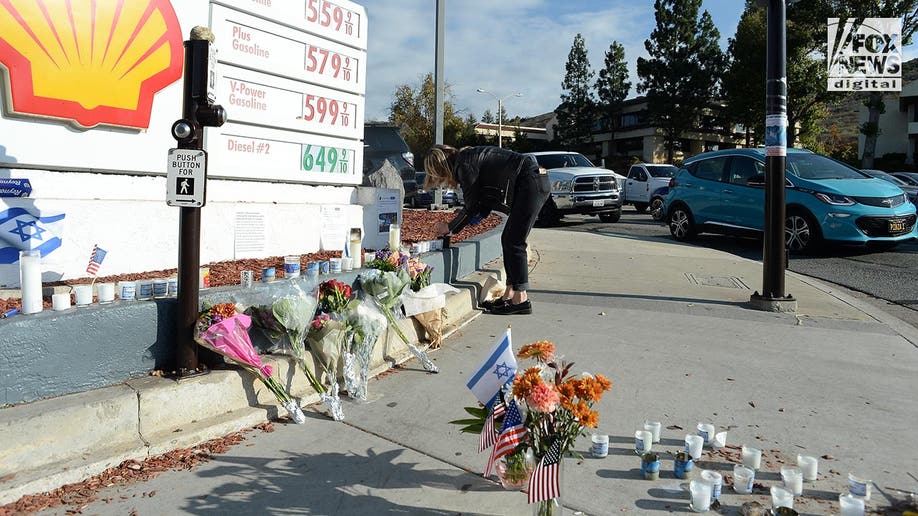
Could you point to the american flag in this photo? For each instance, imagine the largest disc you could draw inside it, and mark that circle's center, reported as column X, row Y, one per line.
column 95, row 260
column 488, row 435
column 511, row 433
column 544, row 484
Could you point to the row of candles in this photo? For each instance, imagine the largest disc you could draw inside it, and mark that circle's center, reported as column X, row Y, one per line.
column 707, row 488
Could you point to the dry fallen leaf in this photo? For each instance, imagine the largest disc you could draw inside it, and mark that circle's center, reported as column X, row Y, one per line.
column 752, row 404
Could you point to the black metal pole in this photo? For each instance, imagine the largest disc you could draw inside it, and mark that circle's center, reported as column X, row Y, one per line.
column 775, row 152
column 189, row 251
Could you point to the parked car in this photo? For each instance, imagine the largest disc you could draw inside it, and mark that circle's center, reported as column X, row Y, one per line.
column 724, row 192
column 909, row 177
column 643, row 180
column 381, row 142
column 424, row 198
column 911, row 190
column 578, row 186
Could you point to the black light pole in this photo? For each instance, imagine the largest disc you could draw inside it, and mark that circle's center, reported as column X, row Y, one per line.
column 774, row 254
column 198, row 111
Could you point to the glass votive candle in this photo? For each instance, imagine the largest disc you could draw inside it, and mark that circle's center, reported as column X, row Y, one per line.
column 743, row 479
column 752, row 457
column 643, row 441
column 144, row 289
column 160, row 288
column 781, row 497
column 716, row 480
column 850, row 505
column 106, row 292
column 324, row 267
column 368, row 257
column 334, row 265
column 693, row 445
column 793, row 480
column 60, row 301
column 173, row 287
column 82, row 294
column 291, row 267
column 859, row 486
column 600, row 445
column 312, row 269
column 654, row 428
column 127, row 290
column 204, row 278
column 719, row 441
column 706, row 431
column 809, row 466
column 347, row 264
column 701, row 495
column 268, row 274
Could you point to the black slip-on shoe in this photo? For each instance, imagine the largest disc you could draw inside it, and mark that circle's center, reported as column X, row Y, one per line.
column 492, row 303
column 523, row 308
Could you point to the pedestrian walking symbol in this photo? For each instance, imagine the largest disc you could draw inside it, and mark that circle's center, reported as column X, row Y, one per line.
column 184, row 186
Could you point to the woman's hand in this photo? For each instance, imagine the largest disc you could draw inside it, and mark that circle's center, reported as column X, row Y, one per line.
column 441, row 229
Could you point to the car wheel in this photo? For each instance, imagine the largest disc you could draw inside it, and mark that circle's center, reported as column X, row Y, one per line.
column 640, row 207
column 681, row 223
column 656, row 208
column 549, row 215
column 801, row 233
column 610, row 216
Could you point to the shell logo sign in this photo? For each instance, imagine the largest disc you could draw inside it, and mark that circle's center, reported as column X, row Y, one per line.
column 90, row 62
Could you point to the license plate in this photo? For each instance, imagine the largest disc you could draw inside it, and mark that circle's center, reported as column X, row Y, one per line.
column 600, row 202
column 896, row 226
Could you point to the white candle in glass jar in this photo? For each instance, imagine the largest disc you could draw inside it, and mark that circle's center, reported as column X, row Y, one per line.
column 60, row 301
column 395, row 237
column 30, row 281
column 752, row 457
column 82, row 294
column 809, row 466
column 106, row 292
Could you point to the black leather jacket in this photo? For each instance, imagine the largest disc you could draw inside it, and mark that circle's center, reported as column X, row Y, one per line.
column 487, row 176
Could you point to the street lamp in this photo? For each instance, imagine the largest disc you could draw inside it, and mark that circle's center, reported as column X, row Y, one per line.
column 500, row 110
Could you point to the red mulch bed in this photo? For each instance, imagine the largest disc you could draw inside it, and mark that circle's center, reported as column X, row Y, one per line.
column 417, row 226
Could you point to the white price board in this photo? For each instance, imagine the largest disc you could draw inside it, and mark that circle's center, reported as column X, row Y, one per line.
column 261, row 153
column 251, row 42
column 338, row 20
column 186, row 177
column 255, row 98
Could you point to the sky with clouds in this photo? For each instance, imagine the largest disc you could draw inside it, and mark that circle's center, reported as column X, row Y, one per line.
column 506, row 46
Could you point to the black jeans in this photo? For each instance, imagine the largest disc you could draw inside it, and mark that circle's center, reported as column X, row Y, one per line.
column 531, row 191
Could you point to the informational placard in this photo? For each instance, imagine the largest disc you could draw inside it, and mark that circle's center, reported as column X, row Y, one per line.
column 186, row 177
column 254, row 43
column 249, row 234
column 339, row 20
column 277, row 155
column 334, row 227
column 387, row 209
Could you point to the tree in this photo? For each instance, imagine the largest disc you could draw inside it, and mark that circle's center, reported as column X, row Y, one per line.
column 575, row 114
column 413, row 111
column 908, row 11
column 685, row 63
column 744, row 80
column 612, row 86
column 487, row 117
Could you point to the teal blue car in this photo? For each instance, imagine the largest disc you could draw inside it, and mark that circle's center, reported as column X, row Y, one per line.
column 827, row 201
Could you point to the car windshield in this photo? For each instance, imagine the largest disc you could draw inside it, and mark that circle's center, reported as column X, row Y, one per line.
column 662, row 170
column 562, row 160
column 879, row 174
column 814, row 166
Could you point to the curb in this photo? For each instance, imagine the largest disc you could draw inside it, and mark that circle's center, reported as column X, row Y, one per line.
column 53, row 442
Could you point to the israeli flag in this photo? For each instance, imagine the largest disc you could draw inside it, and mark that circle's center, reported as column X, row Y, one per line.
column 22, row 229
column 498, row 369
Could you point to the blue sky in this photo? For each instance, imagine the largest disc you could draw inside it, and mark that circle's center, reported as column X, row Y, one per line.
column 506, row 46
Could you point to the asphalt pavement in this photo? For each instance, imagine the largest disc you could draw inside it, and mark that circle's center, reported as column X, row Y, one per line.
column 671, row 326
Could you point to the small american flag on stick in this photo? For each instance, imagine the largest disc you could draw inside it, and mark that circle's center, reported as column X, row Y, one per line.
column 512, row 432
column 545, row 484
column 95, row 260
column 488, row 434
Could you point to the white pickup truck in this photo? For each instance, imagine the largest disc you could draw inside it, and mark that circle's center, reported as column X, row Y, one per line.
column 643, row 180
column 577, row 186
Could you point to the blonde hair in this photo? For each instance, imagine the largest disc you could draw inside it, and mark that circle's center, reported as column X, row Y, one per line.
column 438, row 166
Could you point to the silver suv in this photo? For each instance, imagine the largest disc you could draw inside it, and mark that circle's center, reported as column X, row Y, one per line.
column 577, row 186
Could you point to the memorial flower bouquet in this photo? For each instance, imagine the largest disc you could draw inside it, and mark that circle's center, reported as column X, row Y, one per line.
column 331, row 330
column 426, row 302
column 389, row 260
column 223, row 330
column 385, row 287
column 368, row 323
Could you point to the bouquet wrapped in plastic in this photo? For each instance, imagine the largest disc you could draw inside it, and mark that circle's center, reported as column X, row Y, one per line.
column 368, row 323
column 426, row 302
column 221, row 329
column 385, row 288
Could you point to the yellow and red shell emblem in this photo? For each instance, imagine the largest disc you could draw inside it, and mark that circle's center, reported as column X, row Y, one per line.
column 89, row 61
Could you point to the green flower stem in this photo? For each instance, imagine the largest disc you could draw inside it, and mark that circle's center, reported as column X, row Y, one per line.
column 299, row 353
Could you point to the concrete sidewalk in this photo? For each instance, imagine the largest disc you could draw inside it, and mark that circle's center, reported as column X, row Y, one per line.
column 670, row 326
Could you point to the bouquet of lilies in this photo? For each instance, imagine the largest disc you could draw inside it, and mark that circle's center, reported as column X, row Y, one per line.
column 385, row 287
column 223, row 330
